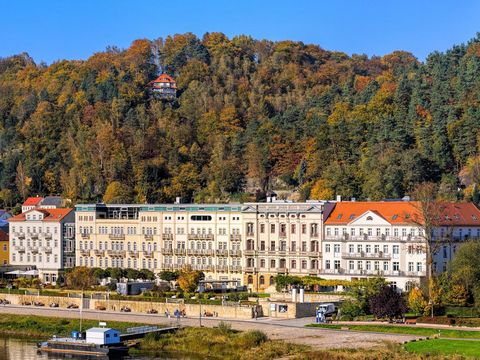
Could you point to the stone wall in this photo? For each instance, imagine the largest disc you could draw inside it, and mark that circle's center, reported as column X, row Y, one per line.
column 191, row 310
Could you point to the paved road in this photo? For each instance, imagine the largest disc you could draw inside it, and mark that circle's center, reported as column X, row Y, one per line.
column 292, row 330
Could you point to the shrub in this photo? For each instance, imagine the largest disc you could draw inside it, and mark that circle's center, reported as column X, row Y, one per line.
column 438, row 320
column 351, row 309
column 224, row 327
column 253, row 338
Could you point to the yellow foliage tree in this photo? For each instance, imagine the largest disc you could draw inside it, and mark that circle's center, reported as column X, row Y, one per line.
column 416, row 301
column 188, row 279
column 320, row 190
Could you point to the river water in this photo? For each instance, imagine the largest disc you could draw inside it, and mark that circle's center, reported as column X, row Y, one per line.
column 26, row 349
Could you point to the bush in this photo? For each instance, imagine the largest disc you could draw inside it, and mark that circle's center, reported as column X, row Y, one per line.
column 437, row 320
column 253, row 338
column 224, row 327
column 351, row 309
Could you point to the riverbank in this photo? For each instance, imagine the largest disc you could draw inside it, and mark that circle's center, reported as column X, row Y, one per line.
column 41, row 326
column 220, row 342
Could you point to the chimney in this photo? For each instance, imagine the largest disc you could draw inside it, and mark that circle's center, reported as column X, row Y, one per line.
column 269, row 199
column 339, row 198
column 178, row 200
column 274, row 198
column 353, row 199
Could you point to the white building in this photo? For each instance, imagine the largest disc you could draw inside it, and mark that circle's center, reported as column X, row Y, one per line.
column 44, row 239
column 364, row 239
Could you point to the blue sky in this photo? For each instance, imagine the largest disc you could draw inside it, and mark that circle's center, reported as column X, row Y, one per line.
column 65, row 29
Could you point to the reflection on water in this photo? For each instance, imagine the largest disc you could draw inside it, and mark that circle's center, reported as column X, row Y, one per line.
column 25, row 349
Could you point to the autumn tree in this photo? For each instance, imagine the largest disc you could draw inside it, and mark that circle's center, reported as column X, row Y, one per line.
column 188, row 279
column 80, row 277
column 387, row 303
column 416, row 301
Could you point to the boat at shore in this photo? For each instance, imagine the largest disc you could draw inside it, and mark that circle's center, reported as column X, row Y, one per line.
column 98, row 342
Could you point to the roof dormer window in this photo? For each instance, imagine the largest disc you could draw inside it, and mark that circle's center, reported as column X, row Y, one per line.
column 369, row 218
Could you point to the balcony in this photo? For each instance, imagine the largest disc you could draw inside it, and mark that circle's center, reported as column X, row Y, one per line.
column 249, row 268
column 47, row 235
column 33, row 235
column 148, row 254
column 116, row 252
column 19, row 235
column 133, row 253
column 222, row 268
column 203, row 267
column 235, row 237
column 249, row 252
column 281, row 270
column 84, row 252
column 20, row 249
column 282, row 235
column 148, row 237
column 314, row 235
column 99, row 252
column 167, row 251
column 314, row 254
column 235, row 268
column 235, row 253
column 179, row 251
column 250, row 233
column 333, row 271
column 313, row 271
column 167, row 236
column 415, row 273
column 33, row 249
column 222, row 252
column 363, row 255
column 168, row 266
column 201, row 236
column 85, row 236
column 116, row 236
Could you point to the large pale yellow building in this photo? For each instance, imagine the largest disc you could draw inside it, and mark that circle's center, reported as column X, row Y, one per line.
column 162, row 237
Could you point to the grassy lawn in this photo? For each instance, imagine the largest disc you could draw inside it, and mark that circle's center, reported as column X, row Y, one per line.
column 218, row 343
column 420, row 331
column 445, row 347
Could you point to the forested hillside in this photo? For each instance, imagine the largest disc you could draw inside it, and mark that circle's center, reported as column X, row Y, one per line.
column 248, row 112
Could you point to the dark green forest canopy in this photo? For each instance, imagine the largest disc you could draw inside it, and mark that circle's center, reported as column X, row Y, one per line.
column 249, row 114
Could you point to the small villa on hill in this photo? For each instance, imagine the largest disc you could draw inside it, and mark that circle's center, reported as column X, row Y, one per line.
column 164, row 87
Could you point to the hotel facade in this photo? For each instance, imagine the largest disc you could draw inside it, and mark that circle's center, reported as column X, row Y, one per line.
column 251, row 243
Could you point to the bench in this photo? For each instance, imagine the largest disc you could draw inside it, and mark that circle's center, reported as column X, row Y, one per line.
column 411, row 321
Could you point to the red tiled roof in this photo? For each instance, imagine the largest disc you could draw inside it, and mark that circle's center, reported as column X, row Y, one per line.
column 405, row 212
column 49, row 214
column 33, row 201
column 164, row 78
column 395, row 212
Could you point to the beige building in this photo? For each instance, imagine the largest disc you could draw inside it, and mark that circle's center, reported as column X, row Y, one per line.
column 162, row 237
column 44, row 239
column 282, row 238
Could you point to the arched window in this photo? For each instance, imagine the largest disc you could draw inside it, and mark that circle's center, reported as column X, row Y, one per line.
column 272, row 281
column 250, row 279
column 369, row 218
column 262, row 280
column 262, row 263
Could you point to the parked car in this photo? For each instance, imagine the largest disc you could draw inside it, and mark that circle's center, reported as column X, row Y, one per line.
column 4, row 302
column 125, row 309
column 53, row 305
column 152, row 311
column 99, row 307
column 38, row 303
column 26, row 303
column 72, row 306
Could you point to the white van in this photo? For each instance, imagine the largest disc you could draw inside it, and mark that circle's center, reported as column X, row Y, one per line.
column 327, row 308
